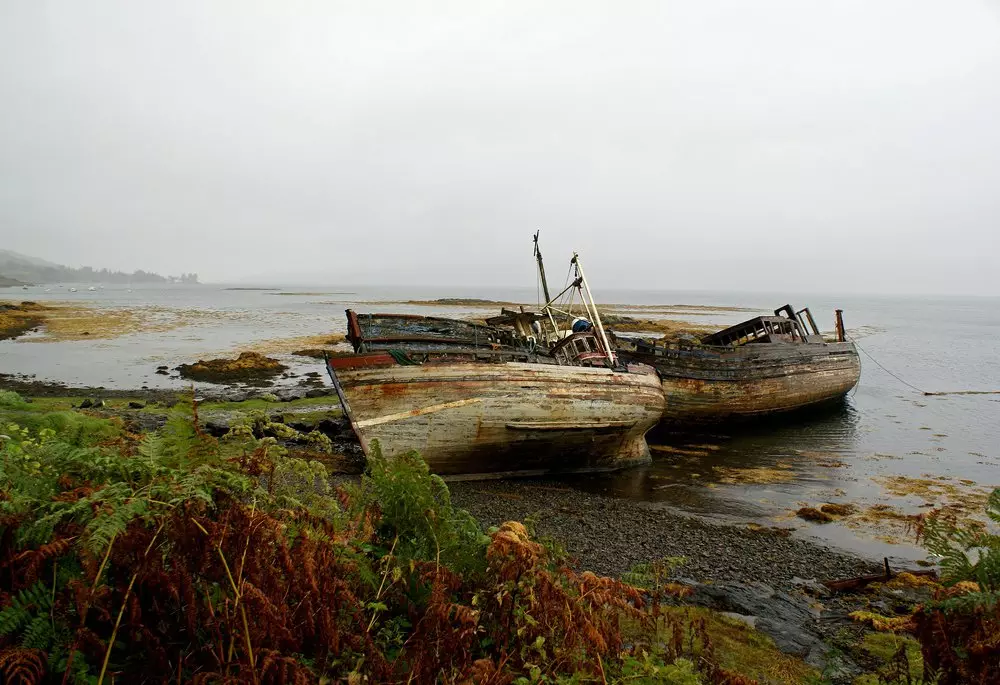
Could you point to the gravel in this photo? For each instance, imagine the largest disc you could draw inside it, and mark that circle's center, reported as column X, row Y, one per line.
column 610, row 536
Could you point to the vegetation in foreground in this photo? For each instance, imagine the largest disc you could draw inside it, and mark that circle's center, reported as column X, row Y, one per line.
column 178, row 556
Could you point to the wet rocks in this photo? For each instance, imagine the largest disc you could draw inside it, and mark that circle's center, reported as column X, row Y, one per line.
column 611, row 536
column 787, row 618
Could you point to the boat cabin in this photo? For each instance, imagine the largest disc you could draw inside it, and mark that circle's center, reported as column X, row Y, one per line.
column 791, row 328
column 580, row 349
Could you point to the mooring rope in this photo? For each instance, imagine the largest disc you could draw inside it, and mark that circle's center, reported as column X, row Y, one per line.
column 912, row 386
column 402, row 358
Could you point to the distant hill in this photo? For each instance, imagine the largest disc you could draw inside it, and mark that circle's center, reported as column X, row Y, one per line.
column 8, row 282
column 18, row 267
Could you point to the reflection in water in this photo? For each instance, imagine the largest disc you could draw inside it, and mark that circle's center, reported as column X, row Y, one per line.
column 720, row 470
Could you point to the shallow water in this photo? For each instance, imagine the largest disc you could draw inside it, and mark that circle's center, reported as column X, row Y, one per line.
column 883, row 429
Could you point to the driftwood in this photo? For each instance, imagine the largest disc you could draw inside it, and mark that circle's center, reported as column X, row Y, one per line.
column 861, row 582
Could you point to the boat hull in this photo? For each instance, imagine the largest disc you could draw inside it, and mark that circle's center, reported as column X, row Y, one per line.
column 481, row 420
column 712, row 385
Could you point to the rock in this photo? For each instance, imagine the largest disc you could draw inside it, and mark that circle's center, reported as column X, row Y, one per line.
column 787, row 619
column 163, row 372
column 86, row 404
column 289, row 394
column 334, row 427
column 749, row 620
column 248, row 367
column 317, row 392
column 811, row 586
column 136, row 405
column 216, row 428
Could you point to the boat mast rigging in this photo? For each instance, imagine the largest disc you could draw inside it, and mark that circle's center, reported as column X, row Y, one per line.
column 541, row 267
column 580, row 284
column 545, row 287
column 591, row 306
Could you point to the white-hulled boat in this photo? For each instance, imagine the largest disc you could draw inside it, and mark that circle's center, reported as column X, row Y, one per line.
column 522, row 397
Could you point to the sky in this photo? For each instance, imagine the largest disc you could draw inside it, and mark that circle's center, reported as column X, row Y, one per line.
column 849, row 146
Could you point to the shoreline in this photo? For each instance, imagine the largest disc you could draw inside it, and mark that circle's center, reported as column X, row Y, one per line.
column 611, row 536
column 608, row 535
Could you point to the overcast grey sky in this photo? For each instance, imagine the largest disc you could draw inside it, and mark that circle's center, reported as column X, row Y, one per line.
column 839, row 146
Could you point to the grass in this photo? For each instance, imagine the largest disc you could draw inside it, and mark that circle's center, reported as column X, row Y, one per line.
column 265, row 404
column 882, row 648
column 745, row 650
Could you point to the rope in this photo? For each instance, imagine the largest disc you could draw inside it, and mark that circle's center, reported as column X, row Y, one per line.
column 402, row 358
column 966, row 392
column 876, row 362
column 910, row 385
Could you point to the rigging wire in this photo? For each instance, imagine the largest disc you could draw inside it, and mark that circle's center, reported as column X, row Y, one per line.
column 876, row 362
column 911, row 385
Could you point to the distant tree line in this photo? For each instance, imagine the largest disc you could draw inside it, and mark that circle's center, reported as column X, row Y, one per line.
column 51, row 273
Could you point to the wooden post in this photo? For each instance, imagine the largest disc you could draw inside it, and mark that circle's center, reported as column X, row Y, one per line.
column 841, row 334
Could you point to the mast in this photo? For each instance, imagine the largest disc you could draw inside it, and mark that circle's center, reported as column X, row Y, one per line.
column 545, row 287
column 588, row 301
column 541, row 269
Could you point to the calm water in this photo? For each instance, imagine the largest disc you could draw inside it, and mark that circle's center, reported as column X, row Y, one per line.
column 884, row 428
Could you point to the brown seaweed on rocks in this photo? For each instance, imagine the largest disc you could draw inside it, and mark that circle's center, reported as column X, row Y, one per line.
column 16, row 319
column 248, row 367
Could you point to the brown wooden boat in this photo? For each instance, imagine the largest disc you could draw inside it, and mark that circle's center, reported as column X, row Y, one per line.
column 767, row 365
column 524, row 394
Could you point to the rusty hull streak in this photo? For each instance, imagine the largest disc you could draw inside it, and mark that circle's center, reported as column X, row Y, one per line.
column 565, row 418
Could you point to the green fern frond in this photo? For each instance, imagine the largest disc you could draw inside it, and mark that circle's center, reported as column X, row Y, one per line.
column 39, row 634
column 993, row 506
column 112, row 522
column 23, row 607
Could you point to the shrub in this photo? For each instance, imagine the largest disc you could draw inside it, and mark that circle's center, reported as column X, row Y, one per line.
column 960, row 631
column 179, row 556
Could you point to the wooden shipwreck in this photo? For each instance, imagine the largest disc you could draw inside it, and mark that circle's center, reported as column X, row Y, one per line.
column 521, row 395
column 766, row 365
